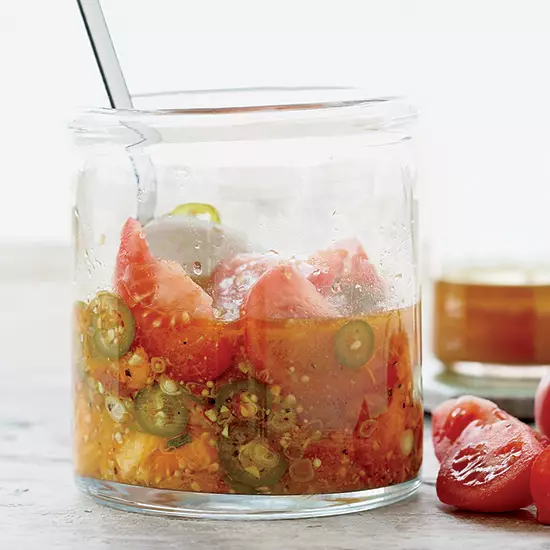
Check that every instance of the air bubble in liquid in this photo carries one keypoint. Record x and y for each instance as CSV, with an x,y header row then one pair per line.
x,y
197,268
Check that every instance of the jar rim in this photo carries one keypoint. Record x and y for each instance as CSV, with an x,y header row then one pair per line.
x,y
211,101
240,113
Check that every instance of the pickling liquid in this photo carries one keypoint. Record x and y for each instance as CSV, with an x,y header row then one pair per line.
x,y
336,420
497,316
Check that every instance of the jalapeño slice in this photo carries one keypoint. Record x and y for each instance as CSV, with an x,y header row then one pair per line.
x,y
248,459
160,414
197,210
354,344
112,325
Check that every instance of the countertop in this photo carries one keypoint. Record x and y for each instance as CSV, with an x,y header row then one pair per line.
x,y
40,507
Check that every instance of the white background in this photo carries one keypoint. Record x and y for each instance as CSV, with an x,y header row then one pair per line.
x,y
477,69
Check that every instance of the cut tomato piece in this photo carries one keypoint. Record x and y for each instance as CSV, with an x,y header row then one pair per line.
x,y
332,463
290,341
173,315
346,275
540,486
542,406
232,279
542,439
160,290
324,268
489,466
284,293
359,268
452,417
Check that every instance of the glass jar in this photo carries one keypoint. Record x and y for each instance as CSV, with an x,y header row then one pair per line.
x,y
491,305
247,335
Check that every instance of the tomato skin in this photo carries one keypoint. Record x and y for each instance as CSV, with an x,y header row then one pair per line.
x,y
324,267
173,315
133,247
452,417
282,293
540,486
346,263
300,359
542,406
198,352
297,354
489,466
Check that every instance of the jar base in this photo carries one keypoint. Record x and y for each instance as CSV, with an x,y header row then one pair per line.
x,y
162,502
491,370
511,388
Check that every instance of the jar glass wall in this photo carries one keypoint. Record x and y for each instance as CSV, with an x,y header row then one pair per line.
x,y
247,337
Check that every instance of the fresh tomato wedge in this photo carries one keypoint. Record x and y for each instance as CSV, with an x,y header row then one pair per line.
x,y
288,349
540,486
173,315
489,466
231,280
452,417
542,439
542,406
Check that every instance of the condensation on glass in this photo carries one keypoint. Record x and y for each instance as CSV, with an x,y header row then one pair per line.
x,y
246,317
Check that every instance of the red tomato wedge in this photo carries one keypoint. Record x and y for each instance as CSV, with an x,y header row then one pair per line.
x,y
324,268
173,315
283,293
452,417
289,335
347,264
278,353
233,278
542,406
540,486
489,466
161,288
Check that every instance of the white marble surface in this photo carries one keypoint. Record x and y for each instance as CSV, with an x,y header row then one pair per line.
x,y
41,509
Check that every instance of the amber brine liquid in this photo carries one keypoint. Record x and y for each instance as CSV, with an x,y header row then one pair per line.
x,y
493,316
